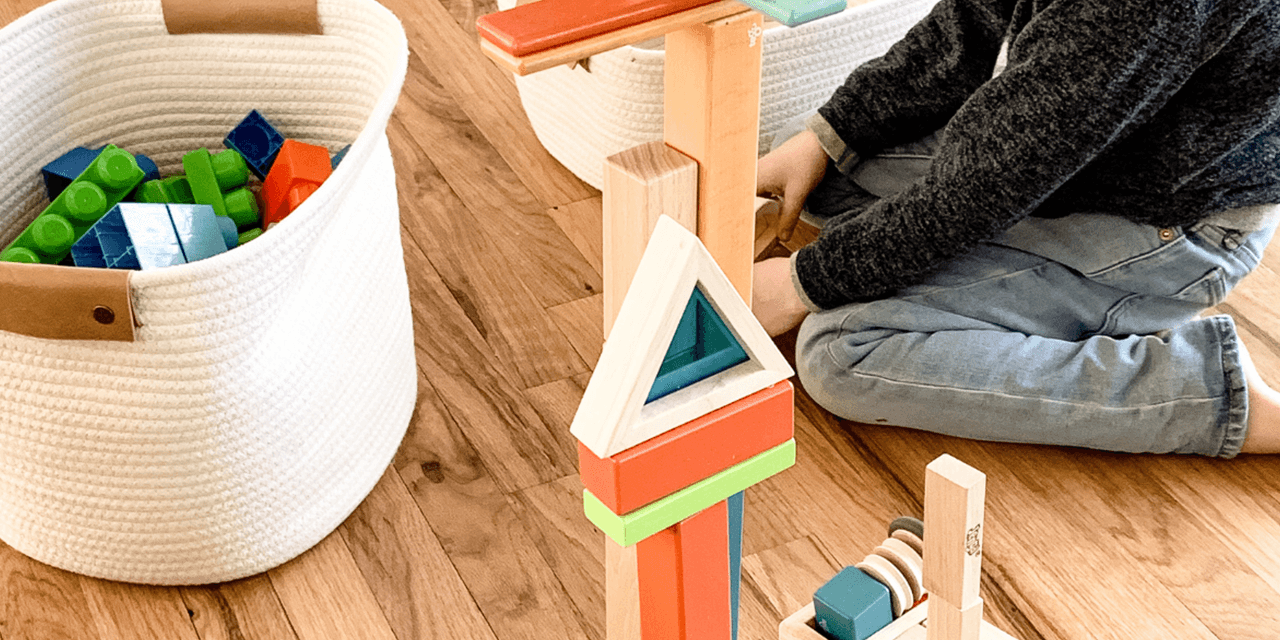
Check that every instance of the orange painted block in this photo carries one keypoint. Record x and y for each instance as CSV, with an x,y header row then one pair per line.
x,y
298,171
695,451
547,24
684,579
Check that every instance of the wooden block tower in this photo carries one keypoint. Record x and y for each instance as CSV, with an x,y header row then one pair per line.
x,y
689,403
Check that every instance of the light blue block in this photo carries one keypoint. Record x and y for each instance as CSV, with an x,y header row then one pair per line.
x,y
852,605
794,13
702,347
197,230
155,243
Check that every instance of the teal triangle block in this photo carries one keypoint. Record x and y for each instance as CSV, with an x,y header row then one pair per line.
x,y
702,347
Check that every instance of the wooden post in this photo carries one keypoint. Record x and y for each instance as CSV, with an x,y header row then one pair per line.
x,y
953,503
712,114
641,184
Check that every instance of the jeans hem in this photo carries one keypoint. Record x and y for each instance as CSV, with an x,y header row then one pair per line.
x,y
1235,411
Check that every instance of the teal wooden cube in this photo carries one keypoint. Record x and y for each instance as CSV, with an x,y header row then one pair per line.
x,y
852,605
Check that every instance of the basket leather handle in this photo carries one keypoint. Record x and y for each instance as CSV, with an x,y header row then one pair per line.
x,y
64,303
242,16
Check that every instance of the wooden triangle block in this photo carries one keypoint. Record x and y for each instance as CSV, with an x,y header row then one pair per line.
x,y
614,415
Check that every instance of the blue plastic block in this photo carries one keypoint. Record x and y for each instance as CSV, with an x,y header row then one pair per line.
x,y
137,235
852,605
258,141
59,173
230,234
736,507
796,12
337,158
702,347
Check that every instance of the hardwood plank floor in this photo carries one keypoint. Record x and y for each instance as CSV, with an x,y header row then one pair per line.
x,y
476,529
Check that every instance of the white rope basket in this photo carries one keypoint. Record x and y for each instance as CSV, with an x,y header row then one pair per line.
x,y
269,386
583,117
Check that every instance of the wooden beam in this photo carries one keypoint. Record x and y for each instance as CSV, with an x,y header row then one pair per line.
x,y
953,499
712,114
640,185
575,51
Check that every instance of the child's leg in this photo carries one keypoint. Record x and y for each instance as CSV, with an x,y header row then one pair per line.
x,y
1263,435
1054,337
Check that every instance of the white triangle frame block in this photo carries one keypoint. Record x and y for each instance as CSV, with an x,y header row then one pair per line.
x,y
613,415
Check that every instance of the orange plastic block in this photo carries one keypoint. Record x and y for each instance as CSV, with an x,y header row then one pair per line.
x,y
550,23
684,579
299,170
695,451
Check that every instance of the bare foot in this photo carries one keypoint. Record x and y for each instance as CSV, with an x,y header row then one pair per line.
x,y
1263,434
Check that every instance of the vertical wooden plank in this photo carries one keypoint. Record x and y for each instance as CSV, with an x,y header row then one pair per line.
x,y
683,577
712,114
622,604
640,185
953,501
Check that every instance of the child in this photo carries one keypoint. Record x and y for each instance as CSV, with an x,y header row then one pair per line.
x,y
1032,271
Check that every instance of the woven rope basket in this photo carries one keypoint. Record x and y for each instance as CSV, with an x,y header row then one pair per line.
x,y
268,387
583,117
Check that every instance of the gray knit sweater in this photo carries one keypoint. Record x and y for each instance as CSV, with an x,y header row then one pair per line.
x,y
1161,111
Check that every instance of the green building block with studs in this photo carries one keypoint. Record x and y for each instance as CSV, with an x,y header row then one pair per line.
x,y
48,239
173,190
218,180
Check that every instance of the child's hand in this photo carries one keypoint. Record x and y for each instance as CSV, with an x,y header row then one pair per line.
x,y
790,173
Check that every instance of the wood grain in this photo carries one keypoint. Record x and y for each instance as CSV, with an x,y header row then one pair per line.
x,y
326,596
128,611
242,610
38,602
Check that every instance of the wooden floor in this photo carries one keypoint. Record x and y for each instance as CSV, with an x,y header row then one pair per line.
x,y
477,531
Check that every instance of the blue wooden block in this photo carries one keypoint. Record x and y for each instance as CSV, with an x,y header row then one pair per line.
x,y
796,12
258,141
852,605
736,508
702,346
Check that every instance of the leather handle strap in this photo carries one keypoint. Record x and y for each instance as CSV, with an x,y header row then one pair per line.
x,y
242,16
66,303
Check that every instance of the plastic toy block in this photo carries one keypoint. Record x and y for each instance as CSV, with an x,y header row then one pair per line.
x,y
693,452
640,524
702,347
59,173
257,140
547,24
218,181
176,190
251,234
230,234
299,170
338,157
852,605
150,236
48,239
794,13
737,506
684,581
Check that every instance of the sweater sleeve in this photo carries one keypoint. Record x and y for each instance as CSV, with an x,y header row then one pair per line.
x,y
918,85
1080,75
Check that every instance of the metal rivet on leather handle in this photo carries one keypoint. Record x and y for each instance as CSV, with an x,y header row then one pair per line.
x,y
104,315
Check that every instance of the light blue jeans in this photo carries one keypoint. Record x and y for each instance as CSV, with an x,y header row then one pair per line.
x,y
1079,331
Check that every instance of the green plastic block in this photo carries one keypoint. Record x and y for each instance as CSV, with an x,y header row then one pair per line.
x,y
218,180
174,190
646,521
106,181
796,12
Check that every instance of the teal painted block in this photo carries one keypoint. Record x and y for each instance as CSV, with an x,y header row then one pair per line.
x,y
796,12
852,605
102,185
736,508
702,346
646,521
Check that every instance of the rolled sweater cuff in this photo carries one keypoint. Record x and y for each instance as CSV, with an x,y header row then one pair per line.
x,y
844,158
795,282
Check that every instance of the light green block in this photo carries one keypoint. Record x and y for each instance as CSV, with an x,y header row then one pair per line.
x,y
646,521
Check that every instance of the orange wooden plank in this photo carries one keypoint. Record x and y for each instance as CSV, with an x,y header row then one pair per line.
x,y
546,24
695,451
684,579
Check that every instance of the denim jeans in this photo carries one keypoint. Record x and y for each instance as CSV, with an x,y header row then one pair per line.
x,y
1078,331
